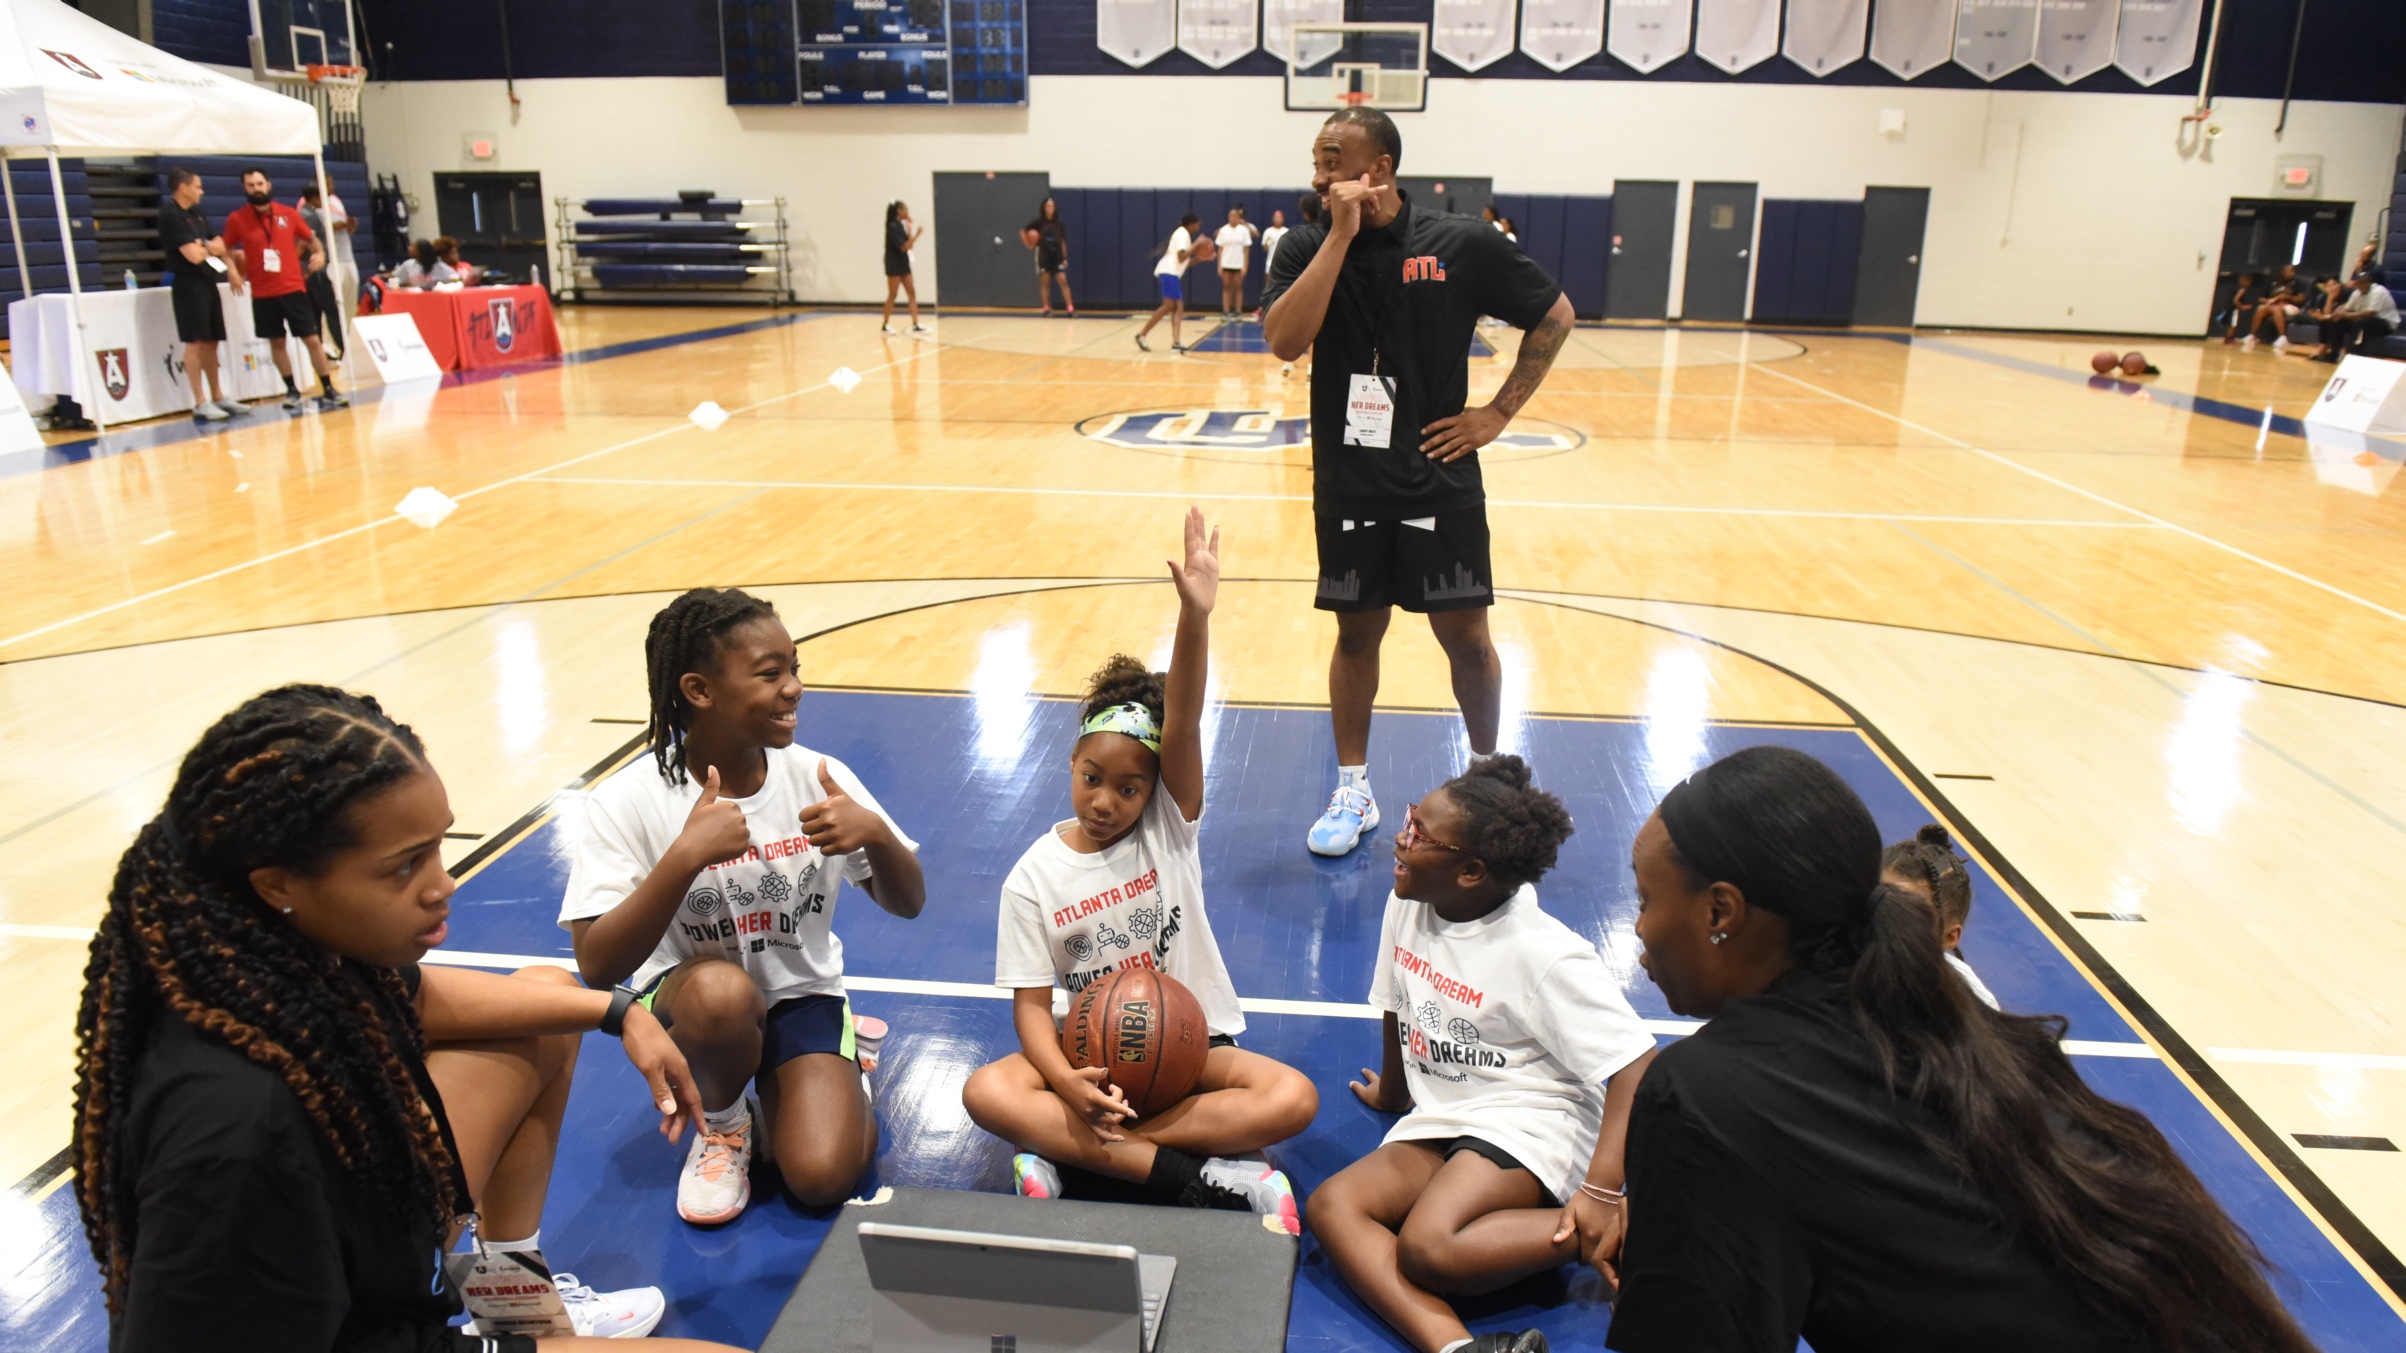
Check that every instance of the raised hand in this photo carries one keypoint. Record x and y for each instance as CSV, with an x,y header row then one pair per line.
x,y
838,824
1349,202
1198,580
715,831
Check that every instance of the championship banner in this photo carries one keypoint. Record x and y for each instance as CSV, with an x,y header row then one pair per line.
x,y
1996,37
1216,32
2158,38
1647,34
1737,35
1559,34
1137,32
1472,33
1825,35
2076,37
1278,17
1911,37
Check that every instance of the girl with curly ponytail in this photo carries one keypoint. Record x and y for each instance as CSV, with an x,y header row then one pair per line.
x,y
1510,1045
264,1160
1855,1150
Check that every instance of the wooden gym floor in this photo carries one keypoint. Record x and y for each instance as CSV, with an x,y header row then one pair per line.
x,y
2140,646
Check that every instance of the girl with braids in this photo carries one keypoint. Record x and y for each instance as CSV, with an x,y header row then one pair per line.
x,y
1120,885
705,880
1928,865
1855,1150
264,1156
1509,1043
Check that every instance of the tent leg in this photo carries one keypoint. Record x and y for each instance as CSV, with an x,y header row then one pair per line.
x,y
342,303
75,284
16,232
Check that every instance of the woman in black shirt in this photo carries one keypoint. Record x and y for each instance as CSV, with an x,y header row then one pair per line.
x,y
1052,256
1854,1149
901,237
263,1158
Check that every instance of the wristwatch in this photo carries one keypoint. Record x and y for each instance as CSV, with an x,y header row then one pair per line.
x,y
614,1020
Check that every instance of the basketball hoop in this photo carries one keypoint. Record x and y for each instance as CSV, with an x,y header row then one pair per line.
x,y
339,84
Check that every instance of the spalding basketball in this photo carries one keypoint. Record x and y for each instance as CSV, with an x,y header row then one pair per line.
x,y
2103,361
1205,251
1031,237
1145,1030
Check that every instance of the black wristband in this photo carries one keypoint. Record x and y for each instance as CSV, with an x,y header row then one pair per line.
x,y
614,1020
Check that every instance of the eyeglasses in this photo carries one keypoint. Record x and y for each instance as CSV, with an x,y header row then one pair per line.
x,y
1414,834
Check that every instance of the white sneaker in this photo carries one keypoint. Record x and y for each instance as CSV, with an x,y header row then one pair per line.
x,y
1286,368
2248,343
630,1314
2279,344
717,1183
233,406
1253,1185
1351,813
209,413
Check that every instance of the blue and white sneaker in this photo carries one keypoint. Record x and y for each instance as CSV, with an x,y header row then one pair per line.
x,y
1032,1176
1351,814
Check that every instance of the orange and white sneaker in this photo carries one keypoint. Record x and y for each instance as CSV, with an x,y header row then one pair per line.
x,y
717,1183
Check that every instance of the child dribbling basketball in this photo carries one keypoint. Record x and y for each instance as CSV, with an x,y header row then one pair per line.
x,y
1509,1041
705,881
1120,885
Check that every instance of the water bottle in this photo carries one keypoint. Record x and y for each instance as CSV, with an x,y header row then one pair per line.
x,y
534,274
129,279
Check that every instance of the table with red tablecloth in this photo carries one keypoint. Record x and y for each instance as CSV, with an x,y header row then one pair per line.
x,y
480,326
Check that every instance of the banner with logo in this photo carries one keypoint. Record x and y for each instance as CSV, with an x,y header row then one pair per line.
x,y
1559,34
2076,37
1137,32
1737,35
2157,38
135,369
1645,35
1280,16
1472,33
394,344
1826,35
1910,38
1996,37
1216,32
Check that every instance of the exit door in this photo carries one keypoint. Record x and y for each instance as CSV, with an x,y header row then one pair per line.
x,y
497,219
2260,235
1888,269
1720,251
979,259
1637,279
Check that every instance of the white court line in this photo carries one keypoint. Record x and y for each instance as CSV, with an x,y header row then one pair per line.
x,y
2093,496
79,933
1188,496
230,569
2351,1061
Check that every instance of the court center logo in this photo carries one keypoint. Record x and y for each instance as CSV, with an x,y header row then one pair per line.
x,y
1269,431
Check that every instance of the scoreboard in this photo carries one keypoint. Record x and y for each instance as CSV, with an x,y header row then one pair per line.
x,y
811,52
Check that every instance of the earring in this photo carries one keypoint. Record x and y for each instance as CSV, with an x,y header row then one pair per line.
x,y
1718,935
288,912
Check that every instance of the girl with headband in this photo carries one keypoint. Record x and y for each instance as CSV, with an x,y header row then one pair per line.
x,y
1117,886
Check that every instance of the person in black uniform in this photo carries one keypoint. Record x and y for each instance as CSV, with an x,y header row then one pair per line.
x,y
901,237
1391,294
1857,1151
196,259
1052,257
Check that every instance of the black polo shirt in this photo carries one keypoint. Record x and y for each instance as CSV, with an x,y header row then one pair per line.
x,y
179,226
1778,1188
1411,295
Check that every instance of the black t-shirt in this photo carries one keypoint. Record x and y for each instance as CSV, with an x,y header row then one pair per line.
x,y
898,254
1052,242
251,1237
1777,1189
1412,292
179,226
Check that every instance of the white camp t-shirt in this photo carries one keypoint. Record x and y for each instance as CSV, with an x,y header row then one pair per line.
x,y
771,910
1171,265
1069,918
1233,241
1269,246
1511,1025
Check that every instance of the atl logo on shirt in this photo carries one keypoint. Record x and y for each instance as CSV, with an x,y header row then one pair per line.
x,y
1423,269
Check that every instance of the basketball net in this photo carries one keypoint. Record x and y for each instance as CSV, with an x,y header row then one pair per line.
x,y
339,86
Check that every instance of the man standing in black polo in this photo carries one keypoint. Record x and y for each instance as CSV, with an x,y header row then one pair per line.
x,y
195,260
1391,295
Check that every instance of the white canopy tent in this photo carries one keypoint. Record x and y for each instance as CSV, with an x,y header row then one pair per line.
x,y
70,84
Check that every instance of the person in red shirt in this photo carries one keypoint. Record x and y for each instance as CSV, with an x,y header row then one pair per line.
x,y
276,247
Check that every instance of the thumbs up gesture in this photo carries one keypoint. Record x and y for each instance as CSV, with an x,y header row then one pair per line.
x,y
715,831
838,824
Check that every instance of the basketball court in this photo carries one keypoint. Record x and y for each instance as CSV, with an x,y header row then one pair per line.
x,y
2140,644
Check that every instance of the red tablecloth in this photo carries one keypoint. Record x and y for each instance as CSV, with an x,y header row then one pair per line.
x,y
480,326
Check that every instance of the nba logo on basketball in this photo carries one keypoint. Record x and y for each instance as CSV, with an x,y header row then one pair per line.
x,y
113,372
505,324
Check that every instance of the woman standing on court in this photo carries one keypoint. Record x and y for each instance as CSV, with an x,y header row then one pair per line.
x,y
901,237
280,1117
1052,257
1854,1149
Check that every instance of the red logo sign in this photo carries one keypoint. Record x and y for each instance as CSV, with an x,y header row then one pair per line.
x,y
72,62
1423,269
114,373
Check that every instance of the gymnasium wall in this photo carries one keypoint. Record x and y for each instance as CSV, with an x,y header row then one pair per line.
x,y
2064,210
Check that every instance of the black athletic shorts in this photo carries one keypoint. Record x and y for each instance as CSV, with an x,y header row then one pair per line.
x,y
199,317
1421,564
1504,1160
293,313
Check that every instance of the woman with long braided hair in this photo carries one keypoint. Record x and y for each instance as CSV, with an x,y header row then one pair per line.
x,y
264,1160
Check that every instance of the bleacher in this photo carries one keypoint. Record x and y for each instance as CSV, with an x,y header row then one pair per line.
x,y
2390,266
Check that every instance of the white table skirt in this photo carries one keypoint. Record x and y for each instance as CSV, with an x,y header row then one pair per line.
x,y
135,350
